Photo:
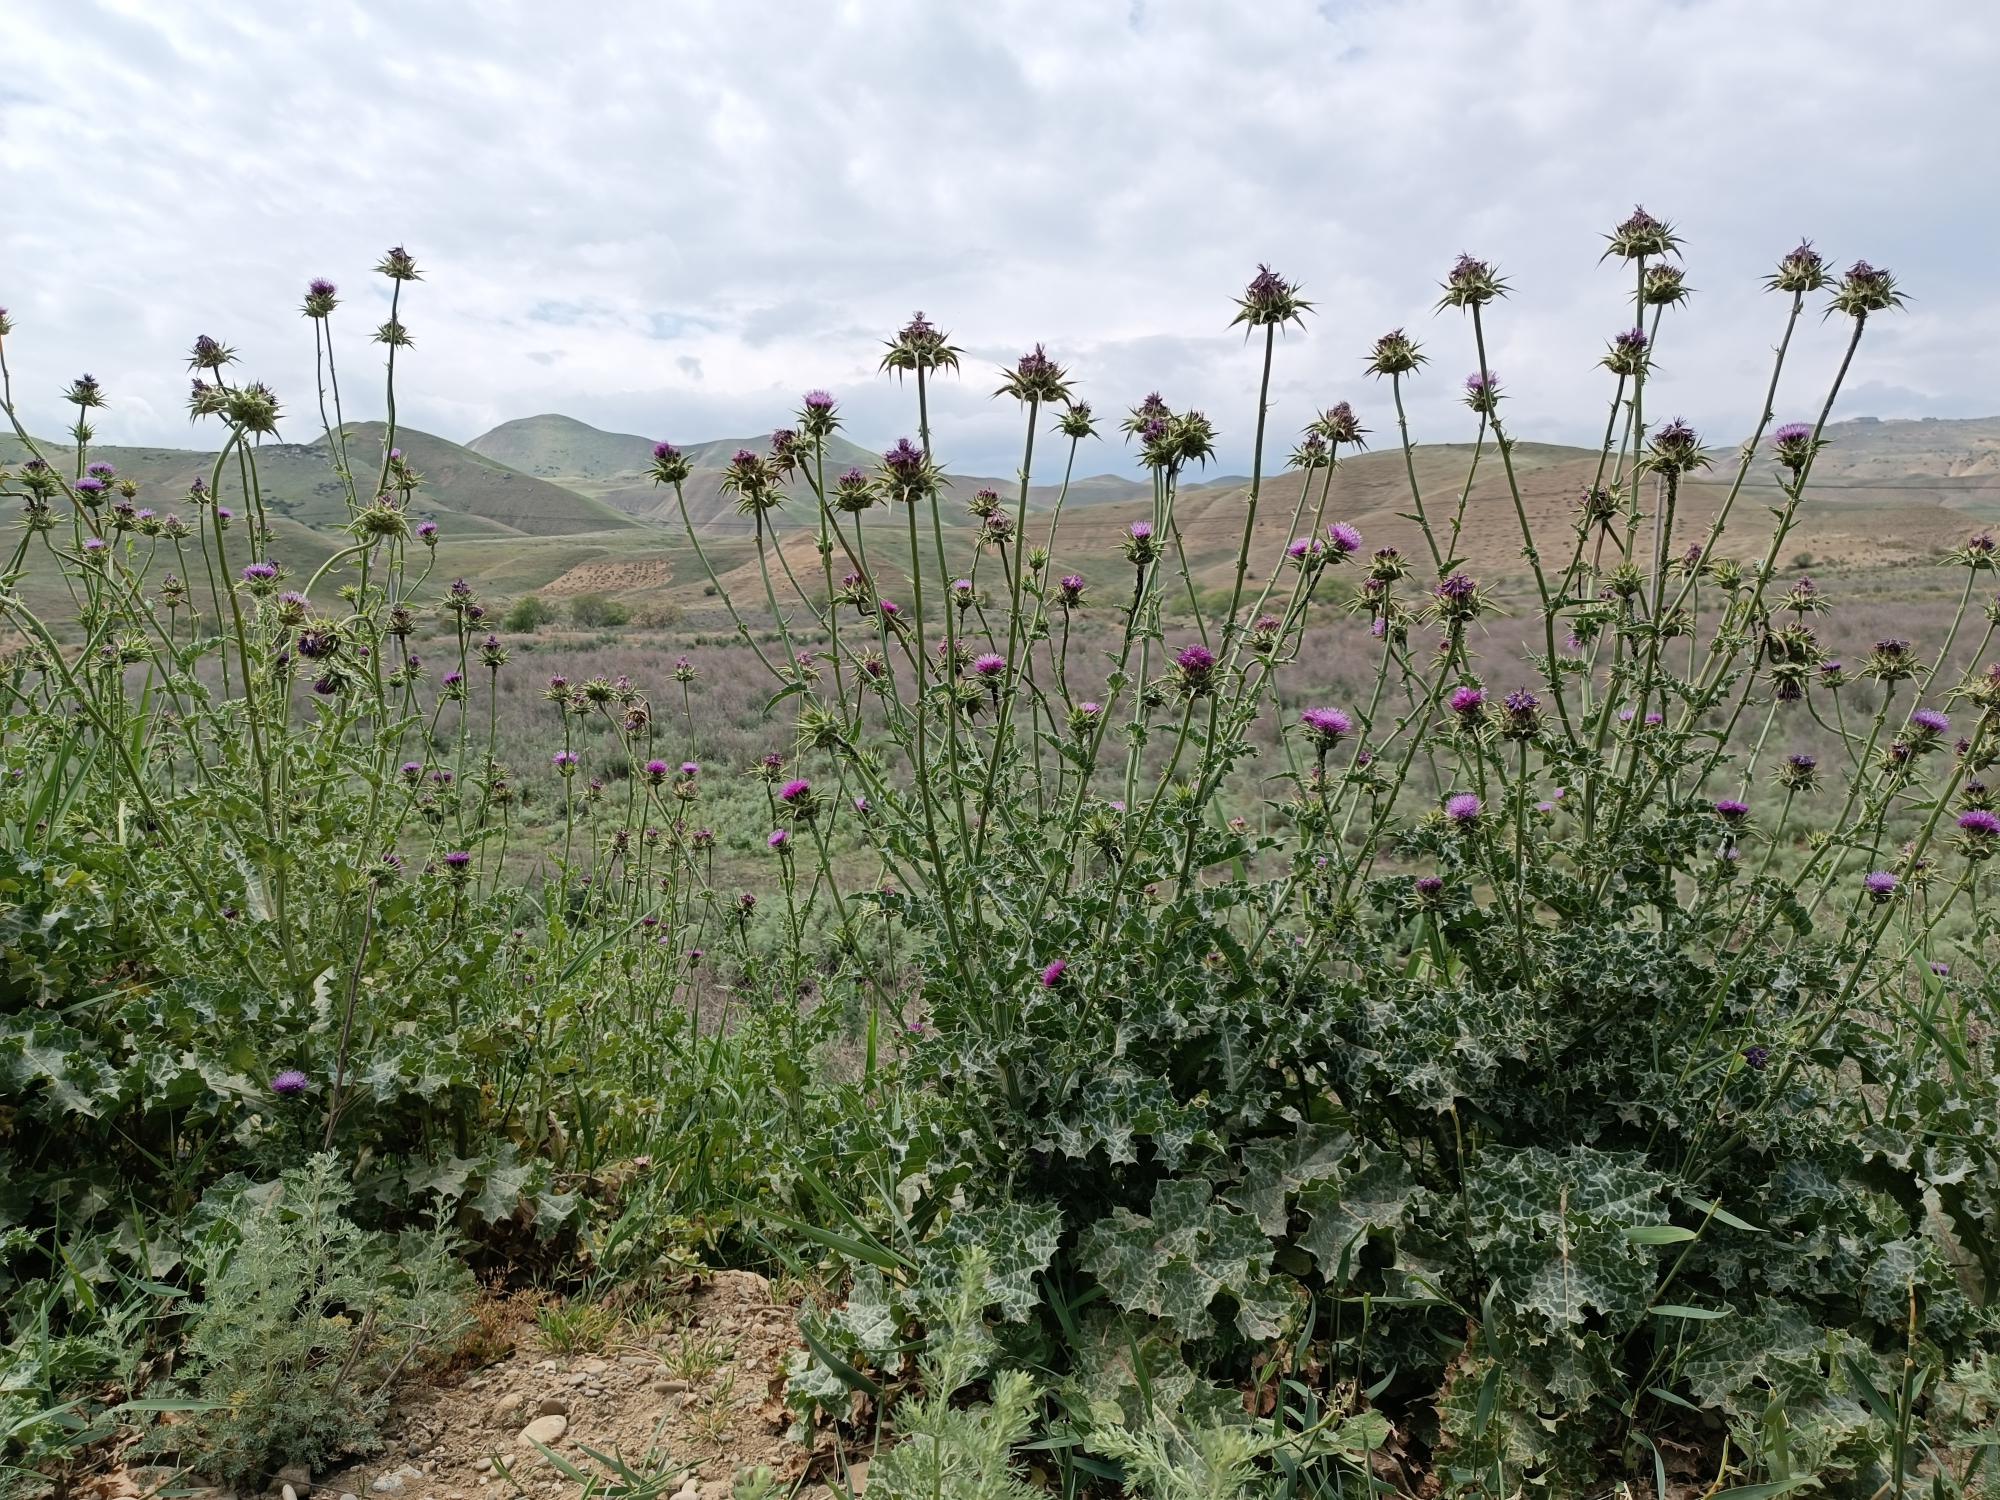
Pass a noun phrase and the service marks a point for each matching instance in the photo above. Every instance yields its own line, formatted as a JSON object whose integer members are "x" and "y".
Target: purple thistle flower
{"x": 259, "y": 572}
{"x": 889, "y": 608}
{"x": 1052, "y": 975}
{"x": 1756, "y": 1059}
{"x": 289, "y": 1084}
{"x": 1142, "y": 531}
{"x": 565, "y": 760}
{"x": 1428, "y": 887}
{"x": 791, "y": 791}
{"x": 1931, "y": 721}
{"x": 989, "y": 664}
{"x": 1196, "y": 661}
{"x": 1979, "y": 822}
{"x": 1344, "y": 538}
{"x": 1325, "y": 727}
{"x": 457, "y": 860}
{"x": 690, "y": 769}
{"x": 904, "y": 459}
{"x": 1732, "y": 811}
{"x": 1467, "y": 702}
{"x": 656, "y": 771}
{"x": 1879, "y": 884}
{"x": 778, "y": 839}
{"x": 818, "y": 401}
{"x": 1464, "y": 809}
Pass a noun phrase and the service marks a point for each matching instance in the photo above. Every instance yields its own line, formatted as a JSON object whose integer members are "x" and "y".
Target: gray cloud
{"x": 716, "y": 220}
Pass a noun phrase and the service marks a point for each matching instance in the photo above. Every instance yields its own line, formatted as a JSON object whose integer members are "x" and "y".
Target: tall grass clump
{"x": 1537, "y": 1072}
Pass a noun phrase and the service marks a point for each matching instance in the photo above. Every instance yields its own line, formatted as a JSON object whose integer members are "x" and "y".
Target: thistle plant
{"x": 1540, "y": 1055}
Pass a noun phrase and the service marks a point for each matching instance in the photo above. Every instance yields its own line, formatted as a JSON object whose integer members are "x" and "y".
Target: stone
{"x": 552, "y": 1406}
{"x": 666, "y": 1385}
{"x": 483, "y": 1465}
{"x": 286, "y": 1492}
{"x": 509, "y": 1409}
{"x": 297, "y": 1477}
{"x": 594, "y": 1366}
{"x": 395, "y": 1481}
{"x": 546, "y": 1430}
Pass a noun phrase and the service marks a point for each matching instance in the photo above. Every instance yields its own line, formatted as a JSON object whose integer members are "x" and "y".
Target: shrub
{"x": 529, "y": 613}
{"x": 305, "y": 1323}
{"x": 596, "y": 612}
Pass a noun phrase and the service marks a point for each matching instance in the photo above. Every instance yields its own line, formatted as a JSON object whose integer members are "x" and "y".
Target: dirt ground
{"x": 693, "y": 1392}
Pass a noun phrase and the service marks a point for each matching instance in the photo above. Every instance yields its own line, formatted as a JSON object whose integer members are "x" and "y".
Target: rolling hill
{"x": 462, "y": 490}
{"x": 611, "y": 467}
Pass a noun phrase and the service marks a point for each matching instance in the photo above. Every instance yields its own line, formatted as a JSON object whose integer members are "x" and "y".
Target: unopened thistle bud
{"x": 1801, "y": 270}
{"x": 1140, "y": 546}
{"x": 1627, "y": 354}
{"x": 1395, "y": 353}
{"x": 1471, "y": 283}
{"x": 1482, "y": 392}
{"x": 1865, "y": 289}
{"x": 1665, "y": 286}
{"x": 1642, "y": 235}
{"x": 1270, "y": 301}
{"x": 1675, "y": 449}
{"x": 320, "y": 298}
{"x": 398, "y": 265}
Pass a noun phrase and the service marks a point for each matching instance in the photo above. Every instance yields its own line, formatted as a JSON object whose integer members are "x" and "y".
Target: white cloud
{"x": 674, "y": 220}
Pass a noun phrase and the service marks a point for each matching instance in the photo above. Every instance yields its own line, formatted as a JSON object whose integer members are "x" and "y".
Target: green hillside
{"x": 463, "y": 491}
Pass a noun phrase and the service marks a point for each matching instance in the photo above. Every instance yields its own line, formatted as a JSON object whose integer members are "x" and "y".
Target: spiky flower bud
{"x": 1794, "y": 446}
{"x": 321, "y": 298}
{"x": 1270, "y": 301}
{"x": 1666, "y": 286}
{"x": 1675, "y": 449}
{"x": 1035, "y": 377}
{"x": 1627, "y": 354}
{"x": 398, "y": 265}
{"x": 818, "y": 415}
{"x": 1482, "y": 392}
{"x": 84, "y": 392}
{"x": 1140, "y": 546}
{"x": 1865, "y": 289}
{"x": 920, "y": 346}
{"x": 907, "y": 475}
{"x": 1642, "y": 235}
{"x": 1076, "y": 423}
{"x": 1395, "y": 353}
{"x": 1472, "y": 283}
{"x": 1194, "y": 671}
{"x": 1798, "y": 772}
{"x": 1801, "y": 270}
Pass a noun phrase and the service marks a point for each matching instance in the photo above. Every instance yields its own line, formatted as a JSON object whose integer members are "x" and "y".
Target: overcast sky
{"x": 673, "y": 219}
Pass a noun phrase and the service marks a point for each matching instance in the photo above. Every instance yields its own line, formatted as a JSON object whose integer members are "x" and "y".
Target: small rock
{"x": 295, "y": 1477}
{"x": 286, "y": 1492}
{"x": 688, "y": 1491}
{"x": 483, "y": 1465}
{"x": 594, "y": 1366}
{"x": 857, "y": 1476}
{"x": 715, "y": 1489}
{"x": 508, "y": 1409}
{"x": 552, "y": 1406}
{"x": 666, "y": 1385}
{"x": 579, "y": 1378}
{"x": 545, "y": 1430}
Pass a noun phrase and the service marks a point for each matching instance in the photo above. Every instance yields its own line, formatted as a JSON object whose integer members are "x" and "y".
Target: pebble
{"x": 483, "y": 1465}
{"x": 296, "y": 1478}
{"x": 508, "y": 1409}
{"x": 395, "y": 1481}
{"x": 595, "y": 1366}
{"x": 545, "y": 1430}
{"x": 552, "y": 1406}
{"x": 668, "y": 1386}
{"x": 286, "y": 1492}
